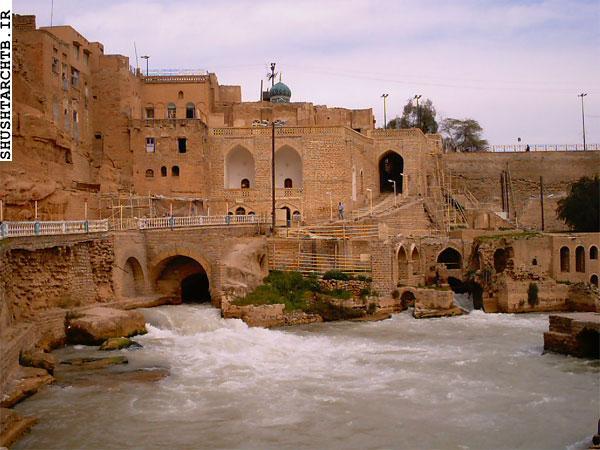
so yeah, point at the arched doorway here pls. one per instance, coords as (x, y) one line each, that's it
(416, 261)
(288, 168)
(580, 259)
(451, 258)
(564, 259)
(183, 278)
(133, 278)
(288, 216)
(500, 260)
(239, 166)
(594, 280)
(402, 264)
(391, 167)
(240, 211)
(407, 299)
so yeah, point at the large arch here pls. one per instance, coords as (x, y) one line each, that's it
(239, 165)
(184, 278)
(451, 258)
(288, 166)
(391, 167)
(132, 283)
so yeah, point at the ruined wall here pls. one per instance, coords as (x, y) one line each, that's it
(42, 273)
(480, 173)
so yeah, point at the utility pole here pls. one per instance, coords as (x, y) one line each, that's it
(146, 57)
(384, 96)
(542, 200)
(417, 97)
(583, 118)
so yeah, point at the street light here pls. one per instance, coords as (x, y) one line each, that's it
(370, 200)
(417, 97)
(330, 206)
(392, 181)
(384, 96)
(583, 117)
(146, 57)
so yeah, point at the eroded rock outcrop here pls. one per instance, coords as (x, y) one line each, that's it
(95, 325)
(13, 426)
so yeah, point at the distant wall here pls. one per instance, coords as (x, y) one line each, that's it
(480, 173)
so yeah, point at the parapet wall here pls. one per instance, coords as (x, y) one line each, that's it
(480, 173)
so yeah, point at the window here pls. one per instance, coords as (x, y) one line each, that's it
(65, 77)
(150, 144)
(76, 50)
(175, 171)
(180, 95)
(171, 111)
(593, 252)
(86, 57)
(579, 259)
(149, 173)
(74, 77)
(564, 259)
(287, 183)
(240, 211)
(150, 113)
(190, 111)
(55, 111)
(163, 171)
(182, 145)
(55, 65)
(75, 118)
(245, 183)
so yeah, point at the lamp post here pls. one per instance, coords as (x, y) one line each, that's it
(370, 191)
(384, 96)
(330, 206)
(146, 57)
(583, 118)
(417, 97)
(394, 183)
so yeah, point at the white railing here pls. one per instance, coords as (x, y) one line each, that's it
(543, 148)
(199, 221)
(17, 229)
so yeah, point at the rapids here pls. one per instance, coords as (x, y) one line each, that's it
(476, 381)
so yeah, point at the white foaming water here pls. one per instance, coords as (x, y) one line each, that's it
(476, 381)
(465, 301)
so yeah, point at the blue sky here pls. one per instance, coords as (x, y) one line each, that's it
(516, 66)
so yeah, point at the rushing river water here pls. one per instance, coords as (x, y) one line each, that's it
(477, 381)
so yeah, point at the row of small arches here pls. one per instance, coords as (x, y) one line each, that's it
(565, 258)
(163, 172)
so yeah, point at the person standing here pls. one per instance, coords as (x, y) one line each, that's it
(341, 210)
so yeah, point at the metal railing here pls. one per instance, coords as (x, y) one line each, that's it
(543, 148)
(47, 228)
(318, 262)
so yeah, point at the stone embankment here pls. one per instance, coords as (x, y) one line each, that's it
(576, 334)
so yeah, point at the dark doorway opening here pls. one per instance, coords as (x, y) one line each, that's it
(391, 167)
(407, 299)
(194, 289)
(588, 342)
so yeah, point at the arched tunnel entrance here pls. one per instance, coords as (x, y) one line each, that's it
(469, 287)
(184, 279)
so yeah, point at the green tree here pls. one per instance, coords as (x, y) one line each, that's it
(413, 117)
(463, 135)
(580, 208)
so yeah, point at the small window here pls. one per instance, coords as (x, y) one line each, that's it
(182, 145)
(74, 77)
(75, 117)
(98, 135)
(593, 252)
(180, 95)
(55, 65)
(534, 262)
(86, 57)
(240, 211)
(150, 144)
(163, 171)
(175, 171)
(149, 173)
(245, 183)
(288, 183)
(149, 113)
(76, 51)
(190, 111)
(171, 111)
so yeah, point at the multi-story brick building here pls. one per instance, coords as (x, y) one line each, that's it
(93, 124)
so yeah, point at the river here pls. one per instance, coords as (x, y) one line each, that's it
(478, 381)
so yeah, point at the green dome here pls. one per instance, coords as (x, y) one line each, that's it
(280, 93)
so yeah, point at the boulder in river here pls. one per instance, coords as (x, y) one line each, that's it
(13, 425)
(95, 325)
(27, 382)
(94, 363)
(118, 344)
(39, 359)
